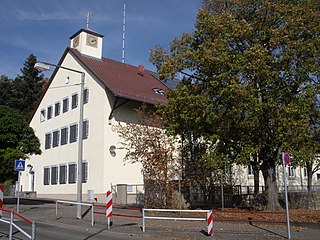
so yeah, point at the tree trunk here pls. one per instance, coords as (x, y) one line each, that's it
(256, 172)
(269, 175)
(309, 174)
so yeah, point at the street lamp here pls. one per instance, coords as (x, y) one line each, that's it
(44, 66)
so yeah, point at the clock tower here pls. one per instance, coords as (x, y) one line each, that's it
(87, 42)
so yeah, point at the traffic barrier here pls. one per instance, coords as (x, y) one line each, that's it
(209, 216)
(12, 224)
(210, 223)
(109, 207)
(1, 199)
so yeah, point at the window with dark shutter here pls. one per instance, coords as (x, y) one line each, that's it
(54, 175)
(84, 172)
(72, 173)
(85, 129)
(65, 105)
(62, 174)
(85, 96)
(73, 133)
(47, 141)
(49, 112)
(46, 176)
(57, 109)
(55, 138)
(64, 136)
(74, 101)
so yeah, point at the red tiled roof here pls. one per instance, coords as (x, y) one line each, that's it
(124, 80)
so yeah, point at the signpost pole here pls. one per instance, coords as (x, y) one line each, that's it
(18, 193)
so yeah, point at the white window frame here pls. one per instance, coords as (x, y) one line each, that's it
(57, 112)
(45, 140)
(57, 139)
(291, 171)
(65, 106)
(75, 173)
(85, 95)
(44, 176)
(76, 95)
(56, 175)
(65, 174)
(85, 125)
(42, 115)
(71, 140)
(49, 113)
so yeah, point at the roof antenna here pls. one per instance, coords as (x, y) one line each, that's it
(89, 14)
(123, 30)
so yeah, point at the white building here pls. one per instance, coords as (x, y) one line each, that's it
(111, 91)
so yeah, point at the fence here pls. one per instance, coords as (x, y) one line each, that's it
(91, 207)
(208, 218)
(12, 224)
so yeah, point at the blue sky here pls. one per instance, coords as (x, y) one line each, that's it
(43, 27)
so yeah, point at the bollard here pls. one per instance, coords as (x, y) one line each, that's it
(210, 223)
(109, 207)
(1, 199)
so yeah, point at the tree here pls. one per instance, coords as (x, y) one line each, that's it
(252, 77)
(23, 92)
(17, 140)
(146, 143)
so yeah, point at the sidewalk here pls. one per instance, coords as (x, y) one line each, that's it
(45, 212)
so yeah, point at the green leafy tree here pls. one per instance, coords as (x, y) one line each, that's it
(23, 92)
(252, 77)
(17, 140)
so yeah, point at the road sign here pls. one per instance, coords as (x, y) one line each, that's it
(19, 165)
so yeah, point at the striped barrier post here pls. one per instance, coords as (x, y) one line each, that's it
(210, 223)
(109, 207)
(1, 198)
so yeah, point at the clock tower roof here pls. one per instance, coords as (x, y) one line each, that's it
(87, 31)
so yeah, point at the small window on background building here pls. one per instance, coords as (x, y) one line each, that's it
(54, 175)
(250, 170)
(64, 136)
(65, 105)
(84, 172)
(42, 115)
(305, 172)
(73, 133)
(47, 141)
(55, 138)
(63, 174)
(291, 171)
(85, 96)
(57, 109)
(74, 101)
(49, 112)
(72, 177)
(46, 175)
(85, 129)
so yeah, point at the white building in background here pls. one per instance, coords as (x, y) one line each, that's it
(111, 91)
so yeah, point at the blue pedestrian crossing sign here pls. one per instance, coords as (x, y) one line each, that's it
(19, 165)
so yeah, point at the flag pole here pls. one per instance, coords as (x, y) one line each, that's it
(286, 194)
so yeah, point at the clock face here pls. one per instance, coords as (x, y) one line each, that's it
(76, 41)
(92, 40)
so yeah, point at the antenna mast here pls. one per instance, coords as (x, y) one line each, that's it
(89, 14)
(123, 30)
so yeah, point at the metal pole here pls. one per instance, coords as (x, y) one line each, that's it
(80, 148)
(143, 221)
(33, 234)
(286, 196)
(11, 222)
(56, 209)
(18, 192)
(92, 215)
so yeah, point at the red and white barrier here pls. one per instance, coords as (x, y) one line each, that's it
(210, 223)
(1, 198)
(109, 207)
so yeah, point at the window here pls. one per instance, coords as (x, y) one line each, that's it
(74, 101)
(305, 172)
(54, 175)
(46, 175)
(72, 173)
(85, 129)
(47, 141)
(64, 136)
(73, 133)
(291, 171)
(250, 170)
(65, 105)
(49, 112)
(86, 96)
(84, 172)
(55, 138)
(57, 109)
(42, 115)
(62, 174)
